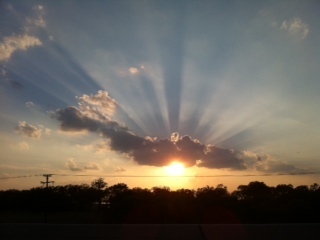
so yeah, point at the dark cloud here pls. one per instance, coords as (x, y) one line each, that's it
(190, 150)
(73, 119)
(222, 158)
(148, 151)
(160, 152)
(94, 115)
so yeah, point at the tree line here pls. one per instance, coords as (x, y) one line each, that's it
(252, 203)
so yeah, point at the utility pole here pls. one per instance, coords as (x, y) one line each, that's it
(47, 176)
(46, 194)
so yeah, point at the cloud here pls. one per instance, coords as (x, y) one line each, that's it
(25, 39)
(216, 157)
(120, 169)
(30, 105)
(99, 104)
(94, 113)
(91, 116)
(161, 152)
(73, 119)
(32, 131)
(37, 21)
(296, 27)
(155, 151)
(11, 44)
(133, 70)
(91, 166)
(148, 151)
(28, 130)
(271, 165)
(71, 165)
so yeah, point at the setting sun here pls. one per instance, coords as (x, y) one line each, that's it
(175, 169)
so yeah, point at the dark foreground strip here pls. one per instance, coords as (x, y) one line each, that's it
(158, 232)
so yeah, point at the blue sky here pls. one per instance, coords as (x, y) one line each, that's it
(104, 88)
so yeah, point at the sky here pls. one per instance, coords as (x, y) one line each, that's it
(122, 89)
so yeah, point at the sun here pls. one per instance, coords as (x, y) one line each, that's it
(175, 169)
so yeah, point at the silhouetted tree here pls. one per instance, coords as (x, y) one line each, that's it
(252, 203)
(99, 186)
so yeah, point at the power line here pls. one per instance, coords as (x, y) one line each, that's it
(23, 176)
(162, 176)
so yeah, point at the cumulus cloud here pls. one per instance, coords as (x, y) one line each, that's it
(100, 104)
(28, 130)
(296, 27)
(32, 131)
(11, 44)
(93, 113)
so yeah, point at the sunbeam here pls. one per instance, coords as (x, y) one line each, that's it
(223, 87)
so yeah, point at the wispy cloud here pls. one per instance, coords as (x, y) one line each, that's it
(271, 165)
(38, 20)
(91, 166)
(296, 27)
(73, 166)
(120, 169)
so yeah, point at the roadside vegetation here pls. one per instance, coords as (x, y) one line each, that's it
(100, 203)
